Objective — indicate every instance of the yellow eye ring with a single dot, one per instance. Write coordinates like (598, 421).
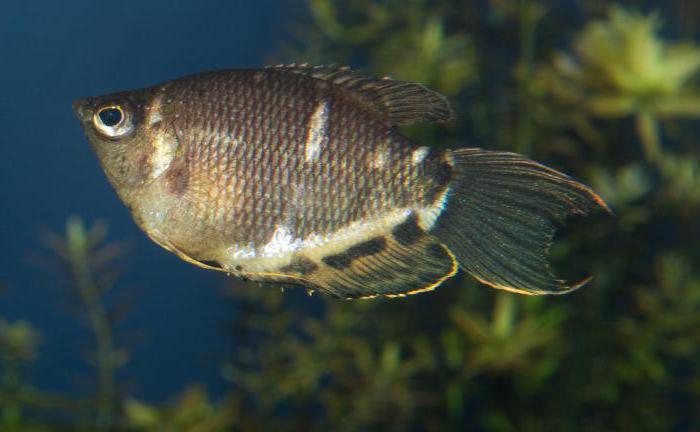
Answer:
(112, 121)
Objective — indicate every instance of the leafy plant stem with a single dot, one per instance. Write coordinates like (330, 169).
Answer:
(504, 311)
(528, 16)
(90, 295)
(11, 412)
(649, 135)
(27, 397)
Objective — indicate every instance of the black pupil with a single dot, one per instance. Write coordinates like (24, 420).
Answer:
(110, 116)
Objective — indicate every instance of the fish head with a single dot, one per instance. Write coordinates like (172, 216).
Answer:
(121, 136)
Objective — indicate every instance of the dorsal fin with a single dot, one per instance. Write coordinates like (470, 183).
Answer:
(400, 103)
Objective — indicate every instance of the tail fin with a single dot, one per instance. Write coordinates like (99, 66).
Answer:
(500, 219)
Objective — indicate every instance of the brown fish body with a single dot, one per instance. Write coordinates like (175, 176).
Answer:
(298, 174)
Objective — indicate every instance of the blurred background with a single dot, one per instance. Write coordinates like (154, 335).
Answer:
(102, 330)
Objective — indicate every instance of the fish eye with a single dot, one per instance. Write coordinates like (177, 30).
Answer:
(112, 121)
(111, 116)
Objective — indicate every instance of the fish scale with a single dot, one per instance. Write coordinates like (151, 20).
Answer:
(298, 174)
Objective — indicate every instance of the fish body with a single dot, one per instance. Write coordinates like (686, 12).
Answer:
(298, 174)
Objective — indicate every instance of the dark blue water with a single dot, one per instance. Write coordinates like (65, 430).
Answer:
(52, 53)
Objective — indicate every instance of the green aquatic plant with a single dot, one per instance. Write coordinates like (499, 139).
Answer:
(19, 340)
(408, 40)
(88, 263)
(620, 354)
(469, 359)
(85, 259)
(192, 412)
(287, 367)
(18, 345)
(621, 66)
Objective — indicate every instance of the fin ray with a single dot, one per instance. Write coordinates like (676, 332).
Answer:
(397, 270)
(501, 219)
(400, 103)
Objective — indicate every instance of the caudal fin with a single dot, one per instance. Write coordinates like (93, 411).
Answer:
(500, 219)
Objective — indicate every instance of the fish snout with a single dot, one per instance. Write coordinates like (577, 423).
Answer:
(82, 108)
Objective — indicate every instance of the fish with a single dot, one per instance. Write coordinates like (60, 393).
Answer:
(299, 174)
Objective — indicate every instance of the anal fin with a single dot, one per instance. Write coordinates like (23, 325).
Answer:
(394, 265)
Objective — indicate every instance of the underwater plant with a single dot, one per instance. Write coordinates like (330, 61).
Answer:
(18, 345)
(446, 362)
(89, 265)
(621, 66)
(606, 96)
(191, 412)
